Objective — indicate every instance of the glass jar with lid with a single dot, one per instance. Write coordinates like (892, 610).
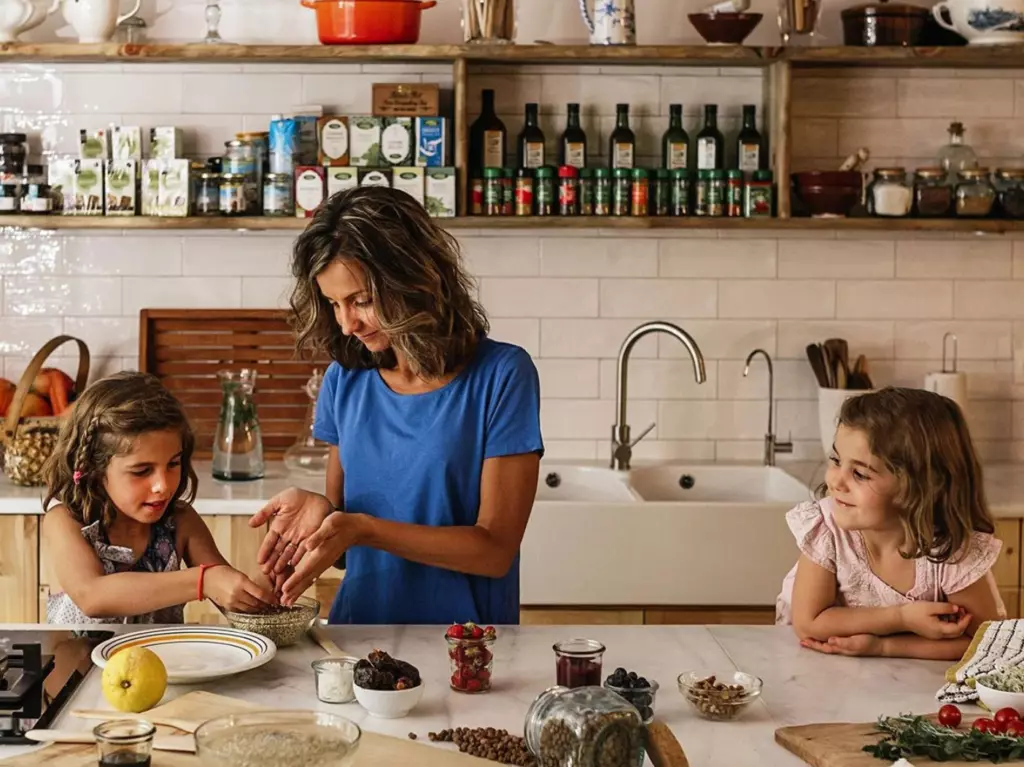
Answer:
(890, 194)
(277, 195)
(10, 196)
(933, 194)
(206, 186)
(975, 195)
(232, 194)
(585, 727)
(1009, 185)
(239, 157)
(13, 153)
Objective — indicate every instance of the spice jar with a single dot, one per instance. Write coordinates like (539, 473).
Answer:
(640, 193)
(703, 194)
(277, 195)
(734, 193)
(661, 192)
(622, 190)
(602, 192)
(586, 727)
(716, 192)
(471, 661)
(508, 199)
(544, 191)
(889, 194)
(36, 197)
(578, 662)
(232, 194)
(494, 191)
(975, 194)
(757, 195)
(568, 190)
(10, 197)
(586, 192)
(933, 195)
(476, 197)
(124, 741)
(1010, 191)
(13, 151)
(207, 193)
(334, 679)
(524, 192)
(681, 192)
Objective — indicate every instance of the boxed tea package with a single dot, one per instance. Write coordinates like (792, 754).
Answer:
(333, 133)
(439, 192)
(150, 187)
(340, 179)
(374, 177)
(409, 180)
(88, 187)
(364, 141)
(398, 140)
(122, 181)
(175, 188)
(309, 190)
(126, 142)
(61, 178)
(431, 142)
(166, 143)
(94, 144)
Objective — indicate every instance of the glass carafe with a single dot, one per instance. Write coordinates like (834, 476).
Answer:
(309, 454)
(238, 445)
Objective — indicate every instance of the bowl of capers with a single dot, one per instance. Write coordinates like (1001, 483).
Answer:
(719, 697)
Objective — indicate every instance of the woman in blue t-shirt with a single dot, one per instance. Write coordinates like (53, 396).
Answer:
(435, 427)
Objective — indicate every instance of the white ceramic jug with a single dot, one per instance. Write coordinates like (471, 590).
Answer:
(17, 16)
(983, 22)
(612, 23)
(94, 21)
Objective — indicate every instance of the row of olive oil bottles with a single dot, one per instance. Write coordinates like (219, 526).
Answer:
(488, 144)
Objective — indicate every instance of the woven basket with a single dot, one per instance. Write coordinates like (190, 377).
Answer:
(28, 442)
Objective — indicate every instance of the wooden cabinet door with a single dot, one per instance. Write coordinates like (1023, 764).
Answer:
(1007, 569)
(19, 568)
(688, 616)
(544, 616)
(239, 544)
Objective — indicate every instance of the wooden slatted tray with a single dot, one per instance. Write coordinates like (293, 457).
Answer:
(186, 348)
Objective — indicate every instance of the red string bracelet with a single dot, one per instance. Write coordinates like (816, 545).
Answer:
(202, 574)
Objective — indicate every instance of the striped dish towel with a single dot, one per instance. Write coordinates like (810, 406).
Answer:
(995, 645)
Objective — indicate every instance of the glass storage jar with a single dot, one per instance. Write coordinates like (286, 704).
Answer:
(889, 193)
(975, 194)
(207, 193)
(933, 194)
(1009, 185)
(232, 194)
(13, 151)
(277, 195)
(36, 197)
(10, 197)
(578, 662)
(585, 727)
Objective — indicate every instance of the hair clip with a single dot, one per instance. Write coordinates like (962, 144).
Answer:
(76, 476)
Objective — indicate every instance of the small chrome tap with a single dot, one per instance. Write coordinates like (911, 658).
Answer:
(771, 444)
(622, 446)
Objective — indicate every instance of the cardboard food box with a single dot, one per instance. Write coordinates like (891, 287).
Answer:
(431, 142)
(61, 178)
(439, 192)
(375, 177)
(122, 180)
(409, 180)
(364, 141)
(340, 179)
(309, 190)
(126, 142)
(166, 143)
(406, 99)
(88, 187)
(175, 188)
(94, 144)
(333, 143)
(397, 141)
(149, 185)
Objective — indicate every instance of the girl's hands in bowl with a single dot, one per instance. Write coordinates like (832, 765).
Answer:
(235, 591)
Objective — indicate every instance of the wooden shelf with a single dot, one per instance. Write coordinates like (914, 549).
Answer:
(270, 223)
(976, 56)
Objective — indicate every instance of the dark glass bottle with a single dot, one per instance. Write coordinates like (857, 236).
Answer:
(572, 147)
(710, 144)
(748, 143)
(622, 144)
(530, 144)
(487, 136)
(675, 144)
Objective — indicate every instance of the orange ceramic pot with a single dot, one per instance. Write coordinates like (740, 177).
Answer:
(368, 22)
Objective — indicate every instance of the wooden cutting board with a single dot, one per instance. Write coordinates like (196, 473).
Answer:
(839, 745)
(198, 707)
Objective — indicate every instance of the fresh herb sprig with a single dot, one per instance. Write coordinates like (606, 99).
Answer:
(908, 736)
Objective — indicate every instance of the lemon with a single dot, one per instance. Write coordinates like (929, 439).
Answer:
(134, 680)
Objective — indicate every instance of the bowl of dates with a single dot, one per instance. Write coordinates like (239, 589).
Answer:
(387, 687)
(635, 689)
(719, 697)
(470, 656)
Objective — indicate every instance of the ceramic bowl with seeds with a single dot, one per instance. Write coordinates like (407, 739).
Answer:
(275, 738)
(719, 697)
(282, 625)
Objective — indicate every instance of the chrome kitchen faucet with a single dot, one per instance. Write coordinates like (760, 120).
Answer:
(622, 447)
(771, 444)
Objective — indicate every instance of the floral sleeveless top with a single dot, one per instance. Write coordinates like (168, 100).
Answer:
(160, 556)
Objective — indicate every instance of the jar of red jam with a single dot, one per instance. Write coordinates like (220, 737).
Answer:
(470, 656)
(578, 663)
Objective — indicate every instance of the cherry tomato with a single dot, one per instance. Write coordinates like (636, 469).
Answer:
(949, 716)
(984, 725)
(1015, 729)
(1004, 716)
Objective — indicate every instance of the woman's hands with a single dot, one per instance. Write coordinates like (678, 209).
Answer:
(294, 516)
(234, 591)
(321, 550)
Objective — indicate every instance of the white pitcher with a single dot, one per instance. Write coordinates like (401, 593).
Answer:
(17, 16)
(613, 22)
(94, 21)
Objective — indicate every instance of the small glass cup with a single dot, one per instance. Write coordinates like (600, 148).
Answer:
(578, 663)
(472, 663)
(124, 742)
(334, 679)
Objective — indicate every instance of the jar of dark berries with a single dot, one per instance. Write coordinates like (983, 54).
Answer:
(585, 727)
(578, 663)
(471, 657)
(634, 689)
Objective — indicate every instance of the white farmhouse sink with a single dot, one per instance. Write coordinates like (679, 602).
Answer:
(589, 484)
(718, 484)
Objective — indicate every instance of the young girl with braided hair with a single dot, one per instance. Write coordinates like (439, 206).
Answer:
(119, 521)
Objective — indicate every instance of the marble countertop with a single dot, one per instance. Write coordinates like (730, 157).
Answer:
(800, 686)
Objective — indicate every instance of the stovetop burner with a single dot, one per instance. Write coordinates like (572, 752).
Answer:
(39, 671)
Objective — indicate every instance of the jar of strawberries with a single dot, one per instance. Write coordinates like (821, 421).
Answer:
(472, 661)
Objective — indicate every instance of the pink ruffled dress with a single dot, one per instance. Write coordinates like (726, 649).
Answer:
(842, 552)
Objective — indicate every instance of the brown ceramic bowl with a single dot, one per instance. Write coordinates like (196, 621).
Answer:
(884, 24)
(829, 192)
(725, 28)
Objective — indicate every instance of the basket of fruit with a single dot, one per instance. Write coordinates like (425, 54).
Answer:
(34, 409)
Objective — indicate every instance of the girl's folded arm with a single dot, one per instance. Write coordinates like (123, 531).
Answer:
(815, 615)
(99, 595)
(921, 648)
(981, 600)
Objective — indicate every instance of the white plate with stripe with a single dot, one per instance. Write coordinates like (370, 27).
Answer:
(195, 653)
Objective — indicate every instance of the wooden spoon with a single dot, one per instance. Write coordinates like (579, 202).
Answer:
(178, 724)
(183, 743)
(663, 748)
(839, 350)
(817, 360)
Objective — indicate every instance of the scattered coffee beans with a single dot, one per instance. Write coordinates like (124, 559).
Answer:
(488, 743)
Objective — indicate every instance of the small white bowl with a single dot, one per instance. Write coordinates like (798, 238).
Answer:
(389, 704)
(997, 699)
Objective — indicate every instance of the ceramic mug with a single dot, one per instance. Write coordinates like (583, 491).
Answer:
(94, 21)
(612, 23)
(983, 22)
(830, 403)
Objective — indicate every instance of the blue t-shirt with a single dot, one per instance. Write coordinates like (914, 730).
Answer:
(418, 458)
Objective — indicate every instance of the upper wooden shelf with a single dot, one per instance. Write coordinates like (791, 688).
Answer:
(977, 56)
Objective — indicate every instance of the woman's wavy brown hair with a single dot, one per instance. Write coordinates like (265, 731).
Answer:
(102, 423)
(923, 439)
(421, 294)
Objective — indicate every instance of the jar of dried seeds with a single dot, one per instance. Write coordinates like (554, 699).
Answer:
(975, 194)
(584, 727)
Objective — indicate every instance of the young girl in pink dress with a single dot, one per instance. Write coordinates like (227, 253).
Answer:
(897, 553)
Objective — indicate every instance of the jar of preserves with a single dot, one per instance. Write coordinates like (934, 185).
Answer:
(889, 194)
(10, 197)
(681, 192)
(578, 662)
(933, 194)
(476, 196)
(568, 190)
(207, 193)
(544, 191)
(622, 190)
(1010, 191)
(661, 192)
(586, 192)
(13, 153)
(585, 727)
(277, 195)
(508, 183)
(260, 141)
(640, 193)
(232, 194)
(757, 195)
(602, 192)
(239, 157)
(716, 192)
(494, 191)
(524, 192)
(975, 195)
(36, 197)
(734, 193)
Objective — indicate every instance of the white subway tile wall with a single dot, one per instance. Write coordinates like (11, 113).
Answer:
(570, 297)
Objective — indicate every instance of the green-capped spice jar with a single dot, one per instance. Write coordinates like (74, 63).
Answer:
(734, 193)
(702, 204)
(494, 191)
(640, 192)
(602, 192)
(716, 193)
(661, 194)
(681, 192)
(508, 202)
(544, 191)
(586, 192)
(757, 195)
(622, 190)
